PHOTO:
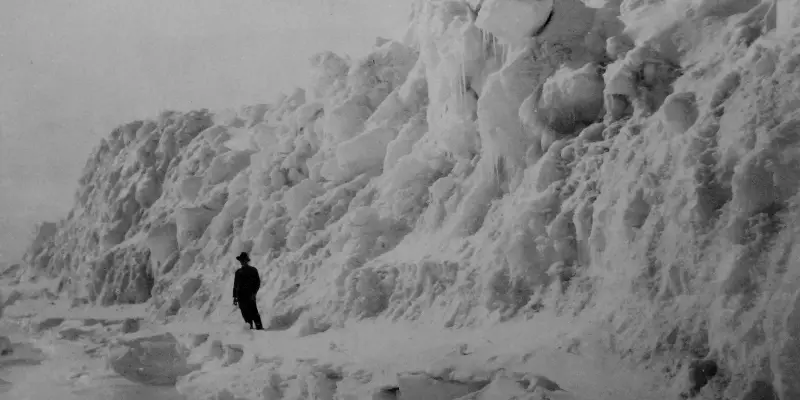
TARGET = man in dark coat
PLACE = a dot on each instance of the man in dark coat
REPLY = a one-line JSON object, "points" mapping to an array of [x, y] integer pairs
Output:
{"points": [[246, 283]]}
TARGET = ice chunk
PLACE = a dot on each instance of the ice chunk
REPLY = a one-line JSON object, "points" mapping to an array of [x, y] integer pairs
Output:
{"points": [[331, 171], [226, 166], [162, 241], [298, 196], [788, 13], [618, 46], [364, 152], [148, 190], [514, 20], [114, 233], [380, 72], [192, 223], [190, 187], [346, 119], [145, 130], [459, 136], [264, 136], [307, 113], [326, 69], [240, 183], [411, 132], [239, 139], [222, 225], [254, 113]]}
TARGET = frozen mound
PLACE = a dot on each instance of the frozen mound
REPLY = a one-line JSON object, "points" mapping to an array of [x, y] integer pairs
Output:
{"points": [[634, 166]]}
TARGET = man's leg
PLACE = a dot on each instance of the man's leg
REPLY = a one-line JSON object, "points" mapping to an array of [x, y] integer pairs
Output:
{"points": [[256, 317], [245, 314]]}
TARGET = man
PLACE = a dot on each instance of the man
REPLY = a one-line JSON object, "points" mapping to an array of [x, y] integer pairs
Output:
{"points": [[246, 283]]}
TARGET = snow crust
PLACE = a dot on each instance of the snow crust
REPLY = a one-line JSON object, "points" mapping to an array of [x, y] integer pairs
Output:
{"points": [[632, 168]]}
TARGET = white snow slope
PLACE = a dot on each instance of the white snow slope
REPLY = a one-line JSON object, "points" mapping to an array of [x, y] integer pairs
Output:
{"points": [[627, 173]]}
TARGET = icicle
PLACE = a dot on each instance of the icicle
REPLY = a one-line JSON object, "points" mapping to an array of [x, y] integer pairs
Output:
{"points": [[484, 40]]}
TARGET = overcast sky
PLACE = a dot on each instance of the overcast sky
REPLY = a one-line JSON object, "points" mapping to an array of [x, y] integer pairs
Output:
{"points": [[71, 70]]}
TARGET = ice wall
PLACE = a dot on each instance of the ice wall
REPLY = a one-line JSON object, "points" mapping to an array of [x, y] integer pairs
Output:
{"points": [[634, 165]]}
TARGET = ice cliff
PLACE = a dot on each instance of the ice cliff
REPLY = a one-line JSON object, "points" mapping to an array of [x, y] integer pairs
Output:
{"points": [[635, 164]]}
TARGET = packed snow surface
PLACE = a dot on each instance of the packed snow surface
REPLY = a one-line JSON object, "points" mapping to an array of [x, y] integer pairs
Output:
{"points": [[603, 194]]}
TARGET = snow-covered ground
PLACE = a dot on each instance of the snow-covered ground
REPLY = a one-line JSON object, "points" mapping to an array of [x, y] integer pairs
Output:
{"points": [[603, 196], [51, 364], [365, 355]]}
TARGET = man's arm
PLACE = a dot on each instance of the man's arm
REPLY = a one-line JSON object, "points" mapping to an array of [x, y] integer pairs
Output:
{"points": [[236, 285]]}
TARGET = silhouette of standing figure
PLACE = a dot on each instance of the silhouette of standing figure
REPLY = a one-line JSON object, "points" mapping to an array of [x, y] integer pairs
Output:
{"points": [[246, 283]]}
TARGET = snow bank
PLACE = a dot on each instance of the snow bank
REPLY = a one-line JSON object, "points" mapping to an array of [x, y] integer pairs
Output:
{"points": [[509, 157]]}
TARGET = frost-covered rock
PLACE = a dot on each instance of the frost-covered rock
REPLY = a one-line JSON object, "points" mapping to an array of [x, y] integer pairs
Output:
{"points": [[233, 353], [157, 360], [5, 346], [425, 387], [680, 111], [73, 334], [43, 324], [569, 99], [11, 297], [130, 325]]}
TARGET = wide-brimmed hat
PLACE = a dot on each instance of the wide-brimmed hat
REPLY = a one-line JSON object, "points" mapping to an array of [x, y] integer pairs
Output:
{"points": [[243, 257]]}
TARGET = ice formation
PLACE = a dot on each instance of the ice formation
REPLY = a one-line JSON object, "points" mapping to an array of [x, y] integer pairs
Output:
{"points": [[633, 165]]}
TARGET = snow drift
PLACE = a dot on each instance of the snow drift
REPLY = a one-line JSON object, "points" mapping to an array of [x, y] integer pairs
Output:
{"points": [[639, 175]]}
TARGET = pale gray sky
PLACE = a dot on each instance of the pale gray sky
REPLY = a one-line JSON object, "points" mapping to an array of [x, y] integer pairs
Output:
{"points": [[71, 70]]}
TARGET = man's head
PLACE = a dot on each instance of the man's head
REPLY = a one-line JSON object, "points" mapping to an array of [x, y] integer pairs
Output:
{"points": [[243, 258]]}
